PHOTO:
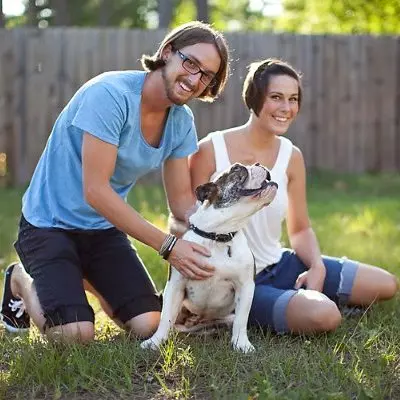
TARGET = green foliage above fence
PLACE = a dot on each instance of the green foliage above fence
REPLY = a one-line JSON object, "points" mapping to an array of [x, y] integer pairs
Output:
{"points": [[341, 16], [297, 16]]}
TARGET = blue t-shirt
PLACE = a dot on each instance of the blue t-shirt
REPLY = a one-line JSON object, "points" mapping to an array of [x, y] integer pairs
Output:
{"points": [[108, 107]]}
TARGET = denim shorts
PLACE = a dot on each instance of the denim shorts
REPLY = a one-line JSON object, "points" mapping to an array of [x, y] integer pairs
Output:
{"points": [[275, 287], [58, 260]]}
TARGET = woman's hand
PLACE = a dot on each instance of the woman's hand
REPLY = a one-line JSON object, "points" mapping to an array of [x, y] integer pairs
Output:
{"points": [[312, 279], [176, 226], [185, 257]]}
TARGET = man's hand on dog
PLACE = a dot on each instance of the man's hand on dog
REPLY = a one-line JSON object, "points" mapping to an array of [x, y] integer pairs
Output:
{"points": [[185, 257]]}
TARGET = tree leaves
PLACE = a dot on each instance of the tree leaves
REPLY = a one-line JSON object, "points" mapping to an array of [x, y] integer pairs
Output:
{"points": [[340, 16]]}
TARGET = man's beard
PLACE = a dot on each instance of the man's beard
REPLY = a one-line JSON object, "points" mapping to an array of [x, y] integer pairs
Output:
{"points": [[169, 90]]}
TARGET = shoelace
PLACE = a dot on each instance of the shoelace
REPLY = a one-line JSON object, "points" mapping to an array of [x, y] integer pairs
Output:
{"points": [[17, 306]]}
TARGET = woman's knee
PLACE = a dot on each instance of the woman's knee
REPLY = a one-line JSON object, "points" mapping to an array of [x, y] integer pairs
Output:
{"points": [[144, 325], [312, 312], [77, 332], [390, 286], [373, 284], [325, 316]]}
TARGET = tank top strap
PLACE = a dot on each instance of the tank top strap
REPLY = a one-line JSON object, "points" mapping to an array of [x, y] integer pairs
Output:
{"points": [[285, 152], [220, 151]]}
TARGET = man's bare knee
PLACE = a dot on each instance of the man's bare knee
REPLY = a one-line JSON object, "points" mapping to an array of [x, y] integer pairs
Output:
{"points": [[144, 325], [76, 332]]}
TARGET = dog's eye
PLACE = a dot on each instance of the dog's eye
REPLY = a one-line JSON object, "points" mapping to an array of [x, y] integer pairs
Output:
{"points": [[236, 168]]}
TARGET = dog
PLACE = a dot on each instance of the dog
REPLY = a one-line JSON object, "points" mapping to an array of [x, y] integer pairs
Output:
{"points": [[226, 204]]}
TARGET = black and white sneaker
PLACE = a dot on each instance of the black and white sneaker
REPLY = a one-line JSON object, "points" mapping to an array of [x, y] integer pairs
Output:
{"points": [[13, 314], [353, 311]]}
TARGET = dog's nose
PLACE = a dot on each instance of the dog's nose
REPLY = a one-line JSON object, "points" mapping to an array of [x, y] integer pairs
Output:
{"points": [[257, 164]]}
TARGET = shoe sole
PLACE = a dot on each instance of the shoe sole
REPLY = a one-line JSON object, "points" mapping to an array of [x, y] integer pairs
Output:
{"points": [[10, 328]]}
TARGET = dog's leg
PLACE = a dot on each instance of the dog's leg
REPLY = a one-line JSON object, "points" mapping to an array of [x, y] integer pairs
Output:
{"points": [[244, 298], [172, 302]]}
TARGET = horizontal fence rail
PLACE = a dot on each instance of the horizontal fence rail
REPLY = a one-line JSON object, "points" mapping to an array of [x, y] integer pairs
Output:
{"points": [[349, 119]]}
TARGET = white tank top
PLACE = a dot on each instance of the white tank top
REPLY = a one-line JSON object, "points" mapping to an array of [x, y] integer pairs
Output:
{"points": [[264, 229]]}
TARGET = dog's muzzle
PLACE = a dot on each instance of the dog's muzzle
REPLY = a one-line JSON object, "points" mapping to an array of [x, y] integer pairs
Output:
{"points": [[253, 192]]}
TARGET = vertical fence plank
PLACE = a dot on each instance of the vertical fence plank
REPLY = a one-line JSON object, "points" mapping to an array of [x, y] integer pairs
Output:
{"points": [[313, 85], [322, 150], [51, 71], [68, 57], [388, 110], [369, 101], [300, 133], [38, 77], [298, 130], [361, 128], [6, 98], [344, 100], [19, 159], [351, 147], [4, 116], [397, 103], [329, 109]]}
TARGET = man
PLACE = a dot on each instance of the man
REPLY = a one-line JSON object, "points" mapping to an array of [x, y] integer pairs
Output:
{"points": [[75, 220]]}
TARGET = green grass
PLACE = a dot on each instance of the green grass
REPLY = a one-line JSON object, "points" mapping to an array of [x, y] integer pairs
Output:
{"points": [[356, 216]]}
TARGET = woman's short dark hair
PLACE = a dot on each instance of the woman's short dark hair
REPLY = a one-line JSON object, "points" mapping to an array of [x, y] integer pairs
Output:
{"points": [[187, 35], [258, 78]]}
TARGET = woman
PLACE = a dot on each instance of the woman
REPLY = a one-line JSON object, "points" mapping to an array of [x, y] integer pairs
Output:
{"points": [[272, 93]]}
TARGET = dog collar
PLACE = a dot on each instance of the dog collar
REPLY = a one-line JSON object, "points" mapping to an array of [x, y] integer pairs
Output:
{"points": [[218, 237]]}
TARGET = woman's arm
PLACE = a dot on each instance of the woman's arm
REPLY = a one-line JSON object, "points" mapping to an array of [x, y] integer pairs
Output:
{"points": [[180, 197], [301, 235], [98, 163], [202, 164], [178, 188], [181, 203]]}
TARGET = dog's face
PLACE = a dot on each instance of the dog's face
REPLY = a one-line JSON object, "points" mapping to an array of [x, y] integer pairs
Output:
{"points": [[241, 189], [240, 181]]}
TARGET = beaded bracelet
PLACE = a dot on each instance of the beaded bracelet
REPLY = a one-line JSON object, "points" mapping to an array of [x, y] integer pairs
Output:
{"points": [[167, 241], [167, 246]]}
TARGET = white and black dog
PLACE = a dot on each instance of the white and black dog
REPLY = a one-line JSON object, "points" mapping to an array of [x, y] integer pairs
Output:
{"points": [[226, 205]]}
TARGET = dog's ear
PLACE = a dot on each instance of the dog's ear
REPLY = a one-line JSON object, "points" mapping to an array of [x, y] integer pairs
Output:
{"points": [[208, 191]]}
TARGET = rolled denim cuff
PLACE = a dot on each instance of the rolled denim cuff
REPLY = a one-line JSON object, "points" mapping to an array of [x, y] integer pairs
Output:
{"points": [[349, 270], [279, 311]]}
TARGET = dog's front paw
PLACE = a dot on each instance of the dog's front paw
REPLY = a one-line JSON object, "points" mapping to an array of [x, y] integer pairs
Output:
{"points": [[151, 344], [243, 345]]}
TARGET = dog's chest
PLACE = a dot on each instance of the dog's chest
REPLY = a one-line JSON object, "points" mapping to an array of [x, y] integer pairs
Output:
{"points": [[215, 296]]}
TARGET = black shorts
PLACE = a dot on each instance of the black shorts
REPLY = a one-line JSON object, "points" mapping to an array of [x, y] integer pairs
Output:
{"points": [[58, 260]]}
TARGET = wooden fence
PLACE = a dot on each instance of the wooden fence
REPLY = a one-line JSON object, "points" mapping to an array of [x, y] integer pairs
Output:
{"points": [[349, 119]]}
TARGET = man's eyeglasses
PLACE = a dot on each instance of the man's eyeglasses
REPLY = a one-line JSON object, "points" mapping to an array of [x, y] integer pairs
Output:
{"points": [[190, 66]]}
